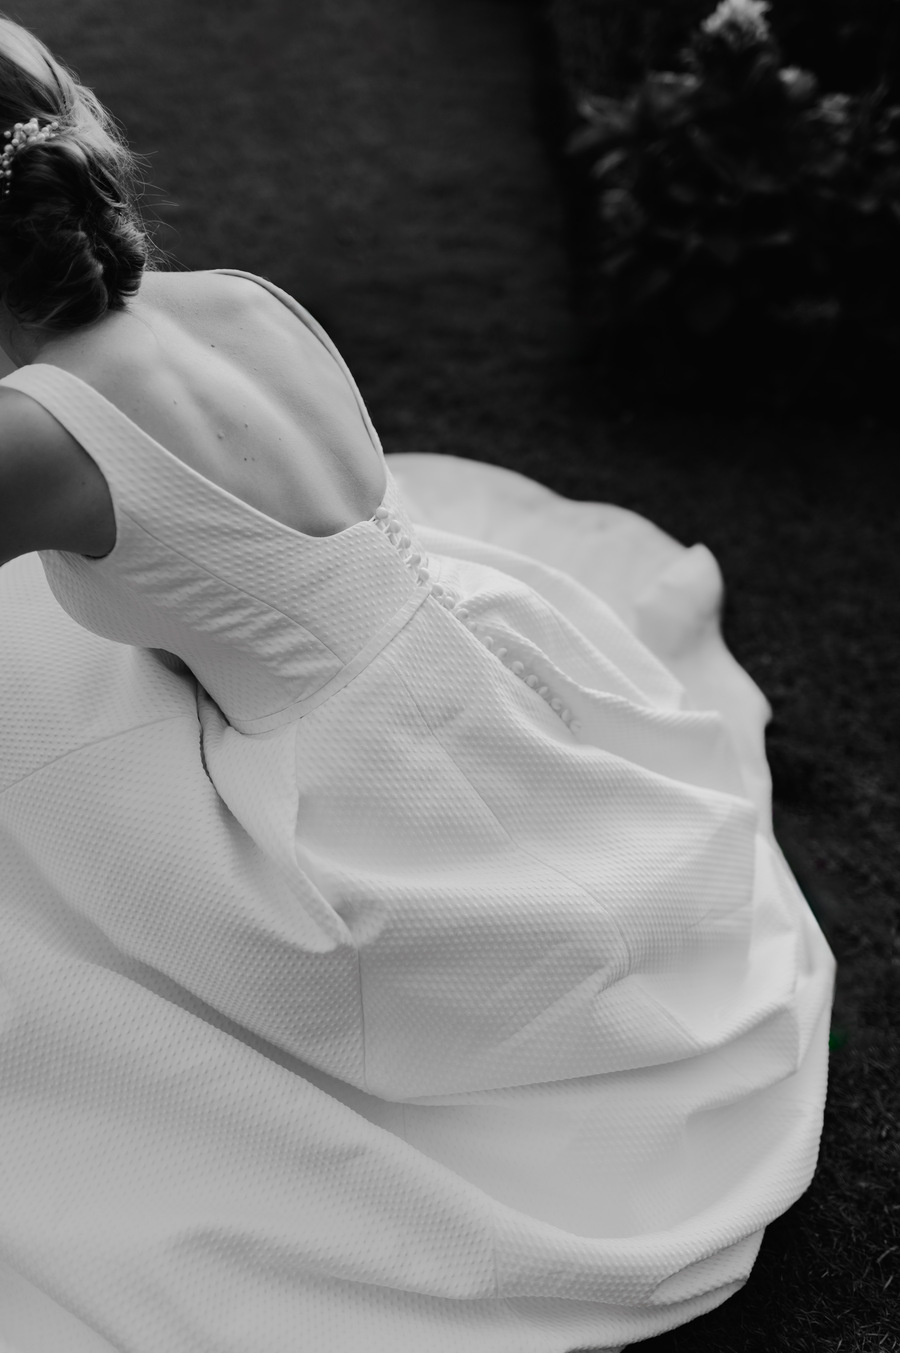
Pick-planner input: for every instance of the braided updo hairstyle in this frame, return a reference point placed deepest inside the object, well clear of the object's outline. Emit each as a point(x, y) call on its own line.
point(72, 245)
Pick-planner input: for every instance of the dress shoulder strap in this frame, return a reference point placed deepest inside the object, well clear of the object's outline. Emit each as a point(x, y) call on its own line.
point(102, 429)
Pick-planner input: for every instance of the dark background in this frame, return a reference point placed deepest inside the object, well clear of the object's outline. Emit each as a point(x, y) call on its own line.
point(391, 163)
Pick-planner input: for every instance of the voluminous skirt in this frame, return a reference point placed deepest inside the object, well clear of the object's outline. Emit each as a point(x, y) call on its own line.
point(175, 1178)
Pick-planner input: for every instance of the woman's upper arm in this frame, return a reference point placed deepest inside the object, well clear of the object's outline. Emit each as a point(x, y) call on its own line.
point(53, 496)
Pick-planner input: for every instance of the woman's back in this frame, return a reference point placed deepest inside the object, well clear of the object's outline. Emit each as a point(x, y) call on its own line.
point(213, 367)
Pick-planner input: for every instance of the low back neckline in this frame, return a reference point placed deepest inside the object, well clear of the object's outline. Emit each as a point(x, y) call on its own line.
point(134, 432)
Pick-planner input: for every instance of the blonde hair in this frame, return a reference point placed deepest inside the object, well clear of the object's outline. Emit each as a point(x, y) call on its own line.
point(72, 244)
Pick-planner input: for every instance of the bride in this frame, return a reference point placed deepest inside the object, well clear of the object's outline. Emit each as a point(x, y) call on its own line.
point(394, 949)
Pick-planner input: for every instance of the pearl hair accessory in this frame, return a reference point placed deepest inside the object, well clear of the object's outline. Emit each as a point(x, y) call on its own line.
point(28, 133)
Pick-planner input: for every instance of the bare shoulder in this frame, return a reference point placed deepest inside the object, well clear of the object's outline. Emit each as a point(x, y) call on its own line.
point(221, 293)
point(230, 307)
point(53, 496)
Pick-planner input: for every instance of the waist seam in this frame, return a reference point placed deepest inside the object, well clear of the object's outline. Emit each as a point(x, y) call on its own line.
point(297, 709)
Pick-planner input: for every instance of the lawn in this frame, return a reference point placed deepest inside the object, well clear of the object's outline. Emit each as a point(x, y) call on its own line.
point(387, 161)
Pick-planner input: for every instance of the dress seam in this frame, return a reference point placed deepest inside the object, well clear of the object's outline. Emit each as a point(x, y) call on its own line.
point(83, 746)
point(349, 672)
point(362, 1021)
point(530, 855)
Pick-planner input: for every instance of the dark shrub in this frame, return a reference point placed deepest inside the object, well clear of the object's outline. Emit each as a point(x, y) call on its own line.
point(747, 226)
point(607, 45)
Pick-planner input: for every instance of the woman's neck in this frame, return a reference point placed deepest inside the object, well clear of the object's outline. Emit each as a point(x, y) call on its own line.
point(24, 346)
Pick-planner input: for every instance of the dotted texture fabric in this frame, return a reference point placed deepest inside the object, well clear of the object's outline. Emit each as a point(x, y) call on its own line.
point(394, 949)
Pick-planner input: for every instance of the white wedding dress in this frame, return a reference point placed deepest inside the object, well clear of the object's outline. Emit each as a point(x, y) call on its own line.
point(395, 954)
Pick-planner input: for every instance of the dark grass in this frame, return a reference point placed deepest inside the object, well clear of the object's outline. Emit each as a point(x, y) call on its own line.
point(386, 161)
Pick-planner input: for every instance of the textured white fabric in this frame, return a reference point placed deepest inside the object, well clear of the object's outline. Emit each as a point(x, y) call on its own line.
point(407, 963)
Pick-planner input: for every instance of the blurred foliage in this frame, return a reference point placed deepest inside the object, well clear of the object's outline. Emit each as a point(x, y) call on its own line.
point(745, 225)
point(852, 45)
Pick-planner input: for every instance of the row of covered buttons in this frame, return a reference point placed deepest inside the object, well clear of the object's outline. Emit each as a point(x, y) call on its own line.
point(530, 678)
point(413, 557)
point(449, 599)
point(396, 534)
